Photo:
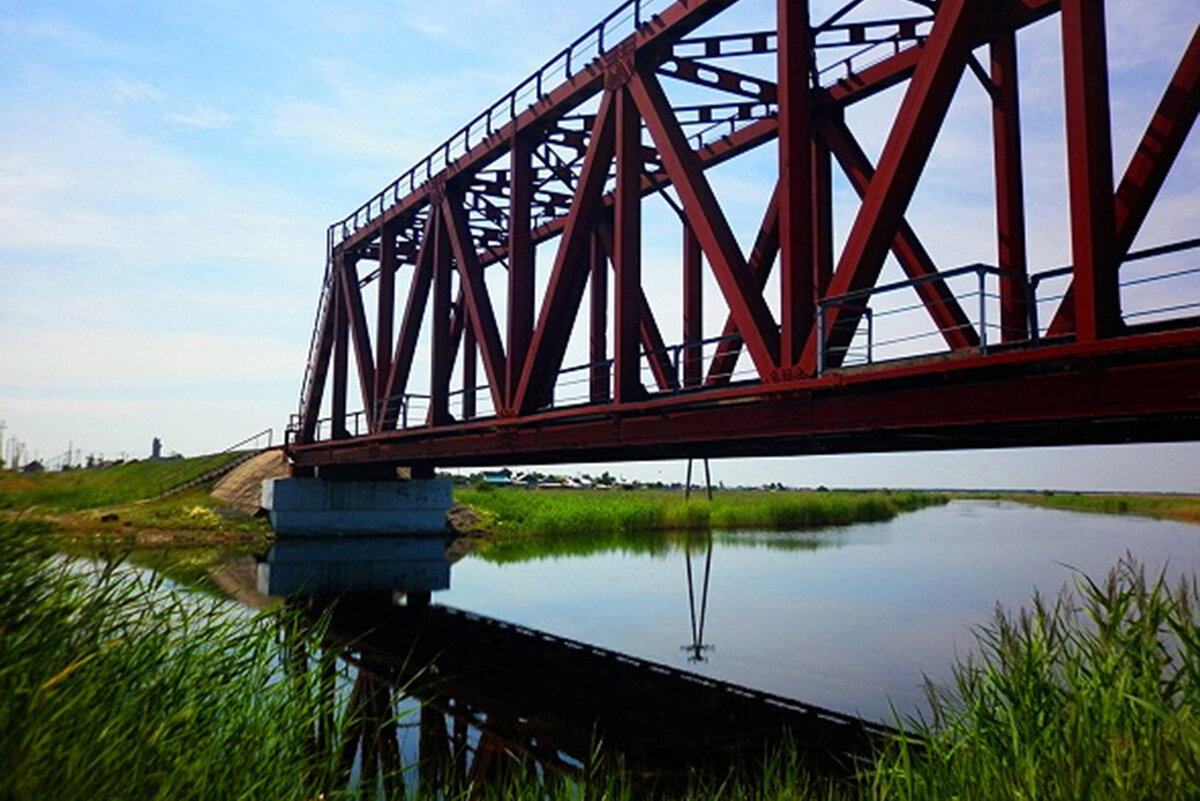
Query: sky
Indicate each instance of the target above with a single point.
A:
(168, 170)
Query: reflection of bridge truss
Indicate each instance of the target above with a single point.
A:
(637, 111)
(495, 695)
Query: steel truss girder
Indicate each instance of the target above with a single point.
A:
(581, 177)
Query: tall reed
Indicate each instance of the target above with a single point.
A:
(1094, 695)
(113, 684)
(578, 512)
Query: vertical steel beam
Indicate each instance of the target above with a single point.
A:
(627, 252)
(520, 263)
(1010, 189)
(1151, 163)
(794, 60)
(341, 359)
(755, 322)
(693, 308)
(904, 157)
(385, 318)
(822, 217)
(469, 368)
(1089, 168)
(357, 317)
(598, 319)
(441, 363)
(653, 345)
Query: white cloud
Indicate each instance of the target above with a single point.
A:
(97, 187)
(127, 91)
(103, 359)
(201, 118)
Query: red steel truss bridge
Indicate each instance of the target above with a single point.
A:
(538, 207)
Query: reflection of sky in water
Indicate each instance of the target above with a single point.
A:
(847, 627)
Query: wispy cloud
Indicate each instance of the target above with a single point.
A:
(203, 118)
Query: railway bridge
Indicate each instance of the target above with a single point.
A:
(557, 196)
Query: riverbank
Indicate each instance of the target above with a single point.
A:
(133, 506)
(1185, 508)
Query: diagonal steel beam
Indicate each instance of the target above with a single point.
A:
(311, 408)
(915, 260)
(357, 321)
(762, 258)
(904, 157)
(410, 327)
(569, 275)
(704, 214)
(478, 302)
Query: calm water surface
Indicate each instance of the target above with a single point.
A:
(850, 619)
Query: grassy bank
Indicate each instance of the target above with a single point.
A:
(117, 509)
(1165, 507)
(76, 490)
(591, 520)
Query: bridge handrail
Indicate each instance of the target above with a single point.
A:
(567, 60)
(1029, 284)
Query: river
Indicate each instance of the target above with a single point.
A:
(852, 623)
(530, 653)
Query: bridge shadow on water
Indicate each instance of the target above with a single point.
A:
(491, 701)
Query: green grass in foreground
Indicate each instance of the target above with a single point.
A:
(75, 490)
(1167, 507)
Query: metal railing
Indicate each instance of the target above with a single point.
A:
(1067, 272)
(576, 57)
(859, 302)
(985, 320)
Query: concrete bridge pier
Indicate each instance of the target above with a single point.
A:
(357, 503)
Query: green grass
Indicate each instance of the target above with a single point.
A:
(1096, 695)
(115, 685)
(1166, 507)
(530, 524)
(76, 490)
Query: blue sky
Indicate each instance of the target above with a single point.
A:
(167, 172)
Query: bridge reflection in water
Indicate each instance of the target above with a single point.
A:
(491, 699)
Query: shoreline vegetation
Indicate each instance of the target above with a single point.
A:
(1093, 695)
(1184, 508)
(518, 524)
